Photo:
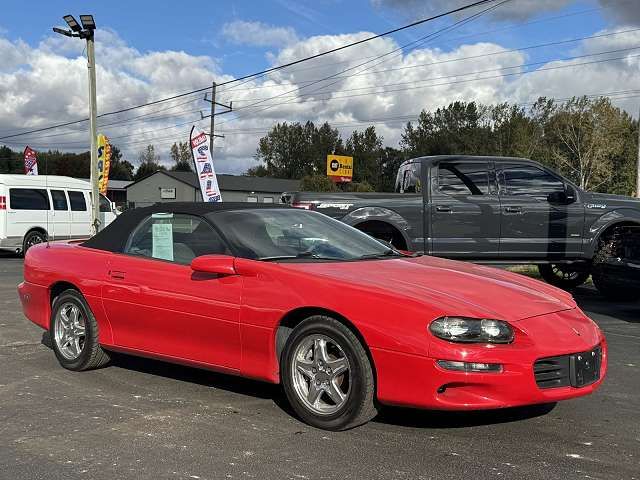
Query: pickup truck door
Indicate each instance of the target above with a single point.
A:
(465, 210)
(532, 226)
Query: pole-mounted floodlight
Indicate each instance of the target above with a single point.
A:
(88, 23)
(73, 24)
(86, 32)
(62, 31)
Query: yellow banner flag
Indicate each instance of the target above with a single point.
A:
(104, 162)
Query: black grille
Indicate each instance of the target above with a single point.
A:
(577, 370)
(553, 371)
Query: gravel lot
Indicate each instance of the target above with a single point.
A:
(143, 419)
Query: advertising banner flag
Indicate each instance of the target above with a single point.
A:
(204, 167)
(30, 161)
(104, 162)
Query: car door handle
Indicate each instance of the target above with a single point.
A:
(443, 208)
(116, 274)
(513, 209)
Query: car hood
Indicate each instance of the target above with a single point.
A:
(455, 288)
(612, 201)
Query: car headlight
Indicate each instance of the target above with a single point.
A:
(471, 330)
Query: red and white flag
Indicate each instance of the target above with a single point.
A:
(30, 161)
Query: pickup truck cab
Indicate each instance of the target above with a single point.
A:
(498, 210)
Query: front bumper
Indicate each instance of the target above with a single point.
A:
(417, 381)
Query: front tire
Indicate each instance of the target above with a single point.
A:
(74, 333)
(327, 375)
(562, 275)
(613, 290)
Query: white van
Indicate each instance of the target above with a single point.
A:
(34, 208)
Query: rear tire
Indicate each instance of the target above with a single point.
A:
(613, 290)
(562, 275)
(32, 238)
(74, 333)
(331, 387)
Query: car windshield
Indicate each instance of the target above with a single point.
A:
(282, 234)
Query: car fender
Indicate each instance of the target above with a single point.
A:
(620, 215)
(379, 214)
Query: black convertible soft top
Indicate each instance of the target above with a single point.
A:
(114, 237)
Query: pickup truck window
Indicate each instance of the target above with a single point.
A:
(463, 178)
(408, 179)
(530, 180)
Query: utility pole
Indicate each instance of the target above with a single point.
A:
(93, 108)
(213, 114)
(638, 166)
(86, 32)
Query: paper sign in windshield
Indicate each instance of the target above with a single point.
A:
(162, 238)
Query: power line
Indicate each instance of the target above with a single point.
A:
(268, 70)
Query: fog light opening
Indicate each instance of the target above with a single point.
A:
(470, 366)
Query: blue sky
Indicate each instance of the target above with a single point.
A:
(163, 25)
(148, 50)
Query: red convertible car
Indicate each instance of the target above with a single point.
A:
(289, 296)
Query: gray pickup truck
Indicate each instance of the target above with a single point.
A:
(496, 210)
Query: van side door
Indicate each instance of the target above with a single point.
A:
(80, 214)
(61, 214)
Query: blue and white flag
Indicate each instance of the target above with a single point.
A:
(204, 167)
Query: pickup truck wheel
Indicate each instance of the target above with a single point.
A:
(562, 275)
(613, 290)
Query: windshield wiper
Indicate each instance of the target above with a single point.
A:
(299, 255)
(387, 253)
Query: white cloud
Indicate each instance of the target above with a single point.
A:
(517, 10)
(622, 11)
(46, 83)
(258, 34)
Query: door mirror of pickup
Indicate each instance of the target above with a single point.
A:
(563, 197)
(216, 264)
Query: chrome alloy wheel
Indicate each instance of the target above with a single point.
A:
(69, 331)
(321, 374)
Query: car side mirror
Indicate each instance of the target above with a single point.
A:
(216, 264)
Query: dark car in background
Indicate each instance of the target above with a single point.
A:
(498, 210)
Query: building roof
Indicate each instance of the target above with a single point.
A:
(240, 183)
(115, 184)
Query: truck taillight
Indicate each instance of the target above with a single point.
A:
(304, 205)
(3, 202)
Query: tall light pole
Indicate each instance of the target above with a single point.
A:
(86, 32)
(638, 166)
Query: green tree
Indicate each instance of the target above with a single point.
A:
(317, 183)
(119, 169)
(366, 149)
(181, 155)
(149, 163)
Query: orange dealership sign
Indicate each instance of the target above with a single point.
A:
(340, 168)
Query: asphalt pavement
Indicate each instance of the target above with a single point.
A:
(143, 419)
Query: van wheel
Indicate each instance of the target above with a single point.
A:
(33, 238)
(562, 275)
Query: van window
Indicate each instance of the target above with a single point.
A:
(77, 201)
(59, 200)
(105, 204)
(28, 199)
